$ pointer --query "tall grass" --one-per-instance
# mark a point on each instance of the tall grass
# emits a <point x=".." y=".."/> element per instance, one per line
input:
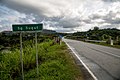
<point x="54" y="63"/>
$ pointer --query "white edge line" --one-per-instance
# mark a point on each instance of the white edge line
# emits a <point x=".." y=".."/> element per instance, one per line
<point x="95" y="78"/>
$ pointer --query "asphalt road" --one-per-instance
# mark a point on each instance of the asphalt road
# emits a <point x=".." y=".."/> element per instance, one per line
<point x="103" y="61"/>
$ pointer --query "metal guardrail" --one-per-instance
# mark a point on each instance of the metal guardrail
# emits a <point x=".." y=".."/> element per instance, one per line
<point x="95" y="41"/>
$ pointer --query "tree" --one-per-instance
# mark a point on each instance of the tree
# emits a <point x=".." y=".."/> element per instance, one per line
<point x="96" y="28"/>
<point x="105" y="36"/>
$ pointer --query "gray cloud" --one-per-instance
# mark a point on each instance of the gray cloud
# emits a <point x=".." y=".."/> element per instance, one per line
<point x="19" y="7"/>
<point x="10" y="16"/>
<point x="63" y="15"/>
<point x="111" y="26"/>
<point x="109" y="17"/>
<point x="112" y="18"/>
<point x="95" y="16"/>
<point x="111" y="0"/>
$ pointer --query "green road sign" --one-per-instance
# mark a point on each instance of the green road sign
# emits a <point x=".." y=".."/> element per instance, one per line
<point x="27" y="27"/>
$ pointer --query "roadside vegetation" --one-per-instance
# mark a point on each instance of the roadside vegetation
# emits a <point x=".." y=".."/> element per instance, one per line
<point x="98" y="36"/>
<point x="55" y="62"/>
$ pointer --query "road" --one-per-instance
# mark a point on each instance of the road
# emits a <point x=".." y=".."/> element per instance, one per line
<point x="102" y="61"/>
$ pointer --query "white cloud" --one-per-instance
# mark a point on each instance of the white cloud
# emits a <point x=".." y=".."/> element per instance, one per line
<point x="67" y="15"/>
<point x="50" y="8"/>
<point x="0" y="26"/>
<point x="9" y="17"/>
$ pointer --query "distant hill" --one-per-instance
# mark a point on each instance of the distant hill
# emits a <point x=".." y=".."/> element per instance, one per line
<point x="43" y="31"/>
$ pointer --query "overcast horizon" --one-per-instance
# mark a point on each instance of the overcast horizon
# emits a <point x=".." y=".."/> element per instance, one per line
<point x="61" y="16"/>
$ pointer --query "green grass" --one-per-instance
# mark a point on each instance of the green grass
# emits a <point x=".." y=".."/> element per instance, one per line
<point x="55" y="63"/>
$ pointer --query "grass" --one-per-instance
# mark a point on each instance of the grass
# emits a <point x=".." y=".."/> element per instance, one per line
<point x="55" y="63"/>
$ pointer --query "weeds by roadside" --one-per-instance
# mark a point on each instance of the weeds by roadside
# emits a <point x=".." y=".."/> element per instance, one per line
<point x="54" y="63"/>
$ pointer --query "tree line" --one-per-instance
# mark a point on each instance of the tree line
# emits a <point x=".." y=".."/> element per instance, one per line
<point x="98" y="34"/>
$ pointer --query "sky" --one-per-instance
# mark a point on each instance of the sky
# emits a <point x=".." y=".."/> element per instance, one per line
<point x="61" y="15"/>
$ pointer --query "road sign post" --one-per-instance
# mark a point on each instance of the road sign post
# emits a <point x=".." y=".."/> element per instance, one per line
<point x="21" y="52"/>
<point x="36" y="54"/>
<point x="27" y="27"/>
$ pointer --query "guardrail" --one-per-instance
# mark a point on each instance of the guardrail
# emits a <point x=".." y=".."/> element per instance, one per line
<point x="95" y="41"/>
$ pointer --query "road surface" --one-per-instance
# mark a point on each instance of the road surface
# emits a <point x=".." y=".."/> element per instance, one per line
<point x="103" y="62"/>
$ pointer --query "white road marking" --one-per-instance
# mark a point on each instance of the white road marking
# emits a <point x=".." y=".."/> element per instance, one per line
<point x="95" y="78"/>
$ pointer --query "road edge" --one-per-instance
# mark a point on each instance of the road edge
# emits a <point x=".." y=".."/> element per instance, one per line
<point x="90" y="72"/>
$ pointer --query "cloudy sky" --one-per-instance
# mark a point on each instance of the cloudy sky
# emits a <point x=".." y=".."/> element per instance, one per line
<point x="61" y="15"/>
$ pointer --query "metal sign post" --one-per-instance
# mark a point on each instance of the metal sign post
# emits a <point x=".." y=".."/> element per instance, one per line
<point x="36" y="54"/>
<point x="21" y="59"/>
